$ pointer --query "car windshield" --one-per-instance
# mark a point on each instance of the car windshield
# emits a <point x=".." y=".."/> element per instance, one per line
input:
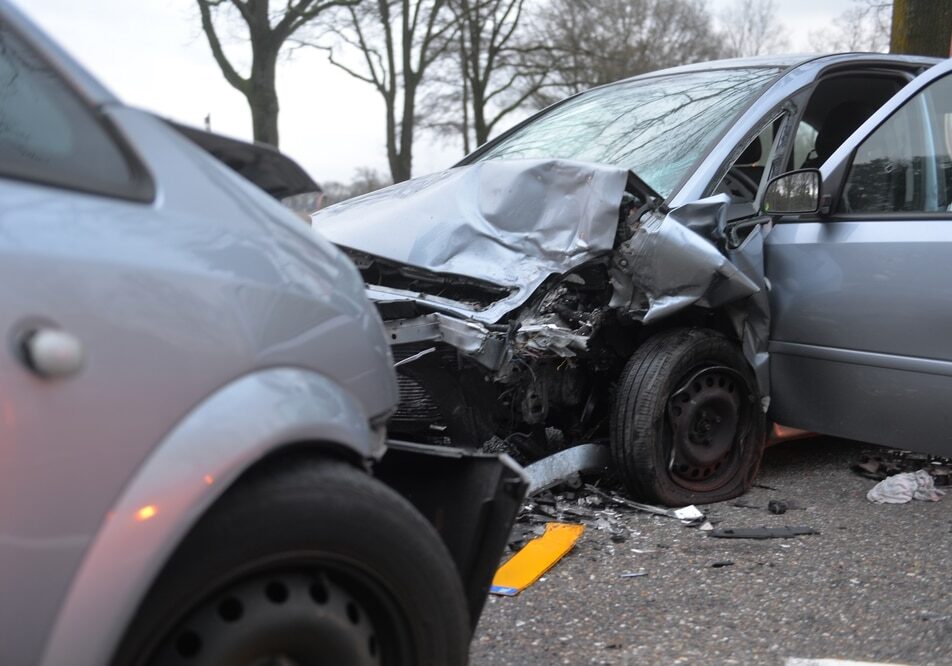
<point x="657" y="127"/>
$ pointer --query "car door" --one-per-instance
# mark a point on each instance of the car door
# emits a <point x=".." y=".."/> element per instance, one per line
<point x="861" y="295"/>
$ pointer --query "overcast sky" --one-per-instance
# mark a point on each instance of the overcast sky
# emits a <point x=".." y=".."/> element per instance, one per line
<point x="152" y="54"/>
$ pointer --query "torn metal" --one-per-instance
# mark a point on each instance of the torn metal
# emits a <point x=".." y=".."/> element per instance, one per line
<point x="513" y="292"/>
<point x="670" y="262"/>
<point x="510" y="224"/>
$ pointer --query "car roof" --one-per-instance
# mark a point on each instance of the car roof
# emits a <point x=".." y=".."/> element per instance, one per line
<point x="790" y="60"/>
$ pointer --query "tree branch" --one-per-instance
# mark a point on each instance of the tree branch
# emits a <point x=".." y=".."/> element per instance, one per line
<point x="208" y="25"/>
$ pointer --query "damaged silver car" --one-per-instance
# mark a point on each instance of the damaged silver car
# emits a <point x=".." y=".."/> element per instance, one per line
<point x="605" y="272"/>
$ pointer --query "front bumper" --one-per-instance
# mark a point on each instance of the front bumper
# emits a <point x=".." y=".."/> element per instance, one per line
<point x="470" y="498"/>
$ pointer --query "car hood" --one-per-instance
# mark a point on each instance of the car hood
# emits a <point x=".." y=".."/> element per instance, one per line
<point x="508" y="223"/>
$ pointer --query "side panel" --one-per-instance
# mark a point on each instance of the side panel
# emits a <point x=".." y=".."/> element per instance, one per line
<point x="193" y="466"/>
<point x="860" y="317"/>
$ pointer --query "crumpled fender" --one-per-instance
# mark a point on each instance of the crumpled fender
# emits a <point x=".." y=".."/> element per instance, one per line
<point x="672" y="262"/>
<point x="196" y="462"/>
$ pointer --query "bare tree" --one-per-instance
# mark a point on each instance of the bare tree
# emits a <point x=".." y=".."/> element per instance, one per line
<point x="750" y="28"/>
<point x="921" y="27"/>
<point x="599" y="41"/>
<point x="268" y="30"/>
<point x="490" y="54"/>
<point x="365" y="180"/>
<point x="865" y="26"/>
<point x="391" y="44"/>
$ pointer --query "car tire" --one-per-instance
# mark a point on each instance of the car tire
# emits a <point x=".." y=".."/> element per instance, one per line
<point x="318" y="564"/>
<point x="687" y="426"/>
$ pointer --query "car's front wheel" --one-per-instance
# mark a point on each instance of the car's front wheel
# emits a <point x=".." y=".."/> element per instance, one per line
<point x="687" y="427"/>
<point x="319" y="564"/>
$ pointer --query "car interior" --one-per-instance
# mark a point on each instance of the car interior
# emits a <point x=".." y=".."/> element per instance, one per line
<point x="837" y="107"/>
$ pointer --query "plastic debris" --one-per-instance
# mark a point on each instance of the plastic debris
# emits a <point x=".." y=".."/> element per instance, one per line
<point x="777" y="507"/>
<point x="761" y="532"/>
<point x="688" y="513"/>
<point x="538" y="556"/>
<point x="634" y="574"/>
<point x="901" y="488"/>
<point x="722" y="563"/>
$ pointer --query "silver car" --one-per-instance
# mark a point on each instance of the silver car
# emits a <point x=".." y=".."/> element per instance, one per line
<point x="612" y="270"/>
<point x="194" y="387"/>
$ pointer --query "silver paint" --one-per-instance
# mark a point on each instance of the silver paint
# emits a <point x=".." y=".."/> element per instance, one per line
<point x="207" y="451"/>
<point x="510" y="223"/>
<point x="171" y="300"/>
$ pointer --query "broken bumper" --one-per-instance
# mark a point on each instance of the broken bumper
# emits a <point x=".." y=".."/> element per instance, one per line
<point x="470" y="498"/>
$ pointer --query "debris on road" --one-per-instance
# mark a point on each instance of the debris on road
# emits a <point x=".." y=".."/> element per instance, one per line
<point x="634" y="574"/>
<point x="538" y="556"/>
<point x="777" y="507"/>
<point x="721" y="564"/>
<point x="901" y="488"/>
<point x="566" y="465"/>
<point x="761" y="532"/>
<point x="689" y="515"/>
<point x="889" y="462"/>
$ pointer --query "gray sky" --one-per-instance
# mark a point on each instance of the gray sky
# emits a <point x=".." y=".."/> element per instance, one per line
<point x="152" y="54"/>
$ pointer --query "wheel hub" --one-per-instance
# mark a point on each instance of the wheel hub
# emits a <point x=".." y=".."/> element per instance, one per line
<point x="705" y="415"/>
<point x="284" y="619"/>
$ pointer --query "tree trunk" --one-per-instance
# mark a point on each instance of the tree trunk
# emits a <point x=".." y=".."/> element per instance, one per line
<point x="262" y="91"/>
<point x="921" y="27"/>
<point x="479" y="114"/>
<point x="263" y="102"/>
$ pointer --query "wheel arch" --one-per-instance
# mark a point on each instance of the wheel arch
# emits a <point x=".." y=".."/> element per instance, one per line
<point x="237" y="431"/>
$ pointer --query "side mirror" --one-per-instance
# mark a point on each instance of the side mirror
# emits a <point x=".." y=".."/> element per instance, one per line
<point x="792" y="193"/>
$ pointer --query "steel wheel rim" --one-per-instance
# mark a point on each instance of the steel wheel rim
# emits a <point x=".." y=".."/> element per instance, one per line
<point x="321" y="613"/>
<point x="707" y="425"/>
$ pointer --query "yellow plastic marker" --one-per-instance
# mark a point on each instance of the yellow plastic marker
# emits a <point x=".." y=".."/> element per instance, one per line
<point x="538" y="556"/>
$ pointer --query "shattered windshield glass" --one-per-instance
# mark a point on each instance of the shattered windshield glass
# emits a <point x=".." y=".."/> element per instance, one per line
<point x="656" y="127"/>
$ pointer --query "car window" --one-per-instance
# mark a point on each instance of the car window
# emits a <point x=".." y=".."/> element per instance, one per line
<point x="837" y="106"/>
<point x="743" y="179"/>
<point x="47" y="134"/>
<point x="803" y="143"/>
<point x="905" y="164"/>
<point x="657" y="127"/>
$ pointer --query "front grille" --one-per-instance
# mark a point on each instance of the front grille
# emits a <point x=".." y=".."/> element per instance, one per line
<point x="416" y="406"/>
<point x="416" y="410"/>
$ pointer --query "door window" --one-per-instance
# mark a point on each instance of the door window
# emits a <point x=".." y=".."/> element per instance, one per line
<point x="47" y="134"/>
<point x="905" y="165"/>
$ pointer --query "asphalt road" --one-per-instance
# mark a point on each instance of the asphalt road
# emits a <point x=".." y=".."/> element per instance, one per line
<point x="874" y="585"/>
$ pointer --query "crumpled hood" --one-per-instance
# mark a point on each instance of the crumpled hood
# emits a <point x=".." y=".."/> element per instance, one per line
<point x="511" y="223"/>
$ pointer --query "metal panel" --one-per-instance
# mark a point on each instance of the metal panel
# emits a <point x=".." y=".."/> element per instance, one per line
<point x="208" y="450"/>
<point x="868" y="301"/>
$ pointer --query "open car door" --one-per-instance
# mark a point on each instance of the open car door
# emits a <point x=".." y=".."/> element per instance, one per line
<point x="861" y="292"/>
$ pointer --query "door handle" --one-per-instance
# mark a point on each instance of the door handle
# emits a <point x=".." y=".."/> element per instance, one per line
<point x="52" y="353"/>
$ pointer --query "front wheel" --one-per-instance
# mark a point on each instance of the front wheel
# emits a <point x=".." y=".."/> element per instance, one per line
<point x="687" y="427"/>
<point x="315" y="564"/>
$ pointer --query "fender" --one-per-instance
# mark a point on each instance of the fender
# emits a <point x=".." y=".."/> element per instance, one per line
<point x="196" y="462"/>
